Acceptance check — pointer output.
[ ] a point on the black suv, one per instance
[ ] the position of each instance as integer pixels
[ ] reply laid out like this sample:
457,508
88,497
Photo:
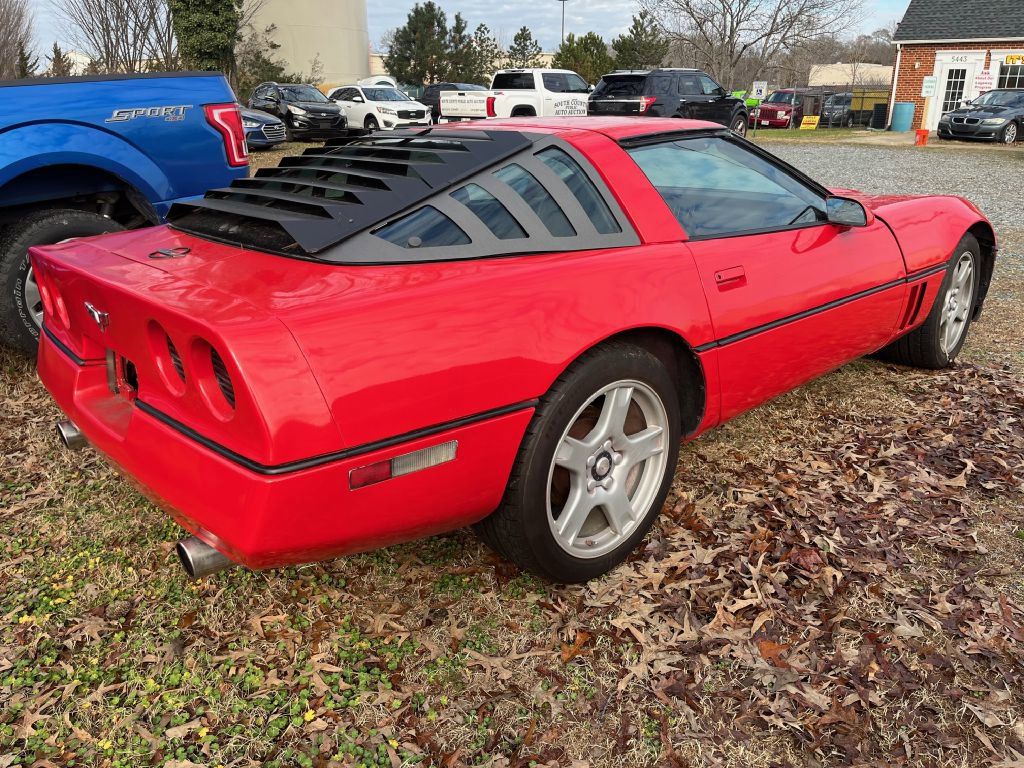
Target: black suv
304,110
668,93
432,95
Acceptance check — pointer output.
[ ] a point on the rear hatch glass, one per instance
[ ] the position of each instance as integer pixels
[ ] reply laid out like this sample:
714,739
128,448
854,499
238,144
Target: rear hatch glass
618,95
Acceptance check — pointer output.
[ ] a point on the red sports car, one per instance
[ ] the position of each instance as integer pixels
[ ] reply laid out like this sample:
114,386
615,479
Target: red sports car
510,324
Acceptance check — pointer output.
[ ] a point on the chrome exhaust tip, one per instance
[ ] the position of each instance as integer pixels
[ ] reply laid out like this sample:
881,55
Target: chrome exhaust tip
199,559
70,436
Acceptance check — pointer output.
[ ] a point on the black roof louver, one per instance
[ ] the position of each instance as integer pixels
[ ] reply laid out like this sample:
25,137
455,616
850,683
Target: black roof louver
324,196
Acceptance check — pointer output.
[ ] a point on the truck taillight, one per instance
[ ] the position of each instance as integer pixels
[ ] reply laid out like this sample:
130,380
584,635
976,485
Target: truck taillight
228,121
645,102
491,112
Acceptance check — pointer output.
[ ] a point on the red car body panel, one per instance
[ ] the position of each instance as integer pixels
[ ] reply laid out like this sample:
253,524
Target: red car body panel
336,367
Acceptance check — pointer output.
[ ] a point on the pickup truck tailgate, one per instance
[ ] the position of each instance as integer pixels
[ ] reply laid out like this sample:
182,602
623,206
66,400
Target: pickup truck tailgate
471,104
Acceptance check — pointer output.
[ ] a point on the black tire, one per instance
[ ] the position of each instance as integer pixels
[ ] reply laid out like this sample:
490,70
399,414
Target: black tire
371,124
519,530
739,125
849,121
17,328
1010,134
922,347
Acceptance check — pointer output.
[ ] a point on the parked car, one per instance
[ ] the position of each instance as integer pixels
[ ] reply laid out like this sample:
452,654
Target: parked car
511,327
997,115
520,93
304,110
85,155
851,108
376,107
786,107
432,95
668,93
262,130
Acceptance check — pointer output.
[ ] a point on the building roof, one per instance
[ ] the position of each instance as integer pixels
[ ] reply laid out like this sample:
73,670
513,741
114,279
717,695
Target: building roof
961,20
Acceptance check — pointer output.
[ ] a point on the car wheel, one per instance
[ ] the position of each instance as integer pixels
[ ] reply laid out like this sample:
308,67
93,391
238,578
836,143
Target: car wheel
849,121
371,123
21,307
739,126
937,342
594,467
1011,133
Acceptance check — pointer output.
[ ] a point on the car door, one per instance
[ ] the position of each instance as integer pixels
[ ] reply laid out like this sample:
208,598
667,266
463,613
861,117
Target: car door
791,295
692,101
719,103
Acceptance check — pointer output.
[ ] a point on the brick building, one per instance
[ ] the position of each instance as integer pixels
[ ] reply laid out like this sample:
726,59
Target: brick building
971,46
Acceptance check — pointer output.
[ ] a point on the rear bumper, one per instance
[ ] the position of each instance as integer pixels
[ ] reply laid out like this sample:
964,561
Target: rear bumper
264,520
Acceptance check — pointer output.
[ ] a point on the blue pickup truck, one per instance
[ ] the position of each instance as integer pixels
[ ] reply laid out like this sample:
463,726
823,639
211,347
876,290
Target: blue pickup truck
86,155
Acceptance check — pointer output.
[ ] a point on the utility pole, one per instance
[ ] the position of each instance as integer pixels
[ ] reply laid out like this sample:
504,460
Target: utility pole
563,2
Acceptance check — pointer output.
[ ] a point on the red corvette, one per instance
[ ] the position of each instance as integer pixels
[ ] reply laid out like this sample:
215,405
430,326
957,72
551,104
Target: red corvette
510,324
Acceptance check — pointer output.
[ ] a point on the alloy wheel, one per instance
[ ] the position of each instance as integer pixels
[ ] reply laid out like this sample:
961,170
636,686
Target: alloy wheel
607,469
33,300
957,304
740,127
1010,134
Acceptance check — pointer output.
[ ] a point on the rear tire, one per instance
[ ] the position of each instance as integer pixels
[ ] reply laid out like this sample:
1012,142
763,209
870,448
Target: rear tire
936,343
523,112
608,484
739,125
20,307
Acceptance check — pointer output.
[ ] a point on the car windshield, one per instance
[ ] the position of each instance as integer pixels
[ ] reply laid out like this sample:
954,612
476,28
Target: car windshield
620,85
837,101
779,97
1000,99
385,94
302,93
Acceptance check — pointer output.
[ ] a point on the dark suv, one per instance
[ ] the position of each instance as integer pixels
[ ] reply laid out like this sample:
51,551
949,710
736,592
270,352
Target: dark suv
668,93
432,95
304,110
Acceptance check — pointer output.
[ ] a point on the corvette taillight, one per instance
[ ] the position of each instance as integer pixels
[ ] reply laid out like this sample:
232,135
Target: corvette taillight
168,360
211,373
645,103
228,121
405,464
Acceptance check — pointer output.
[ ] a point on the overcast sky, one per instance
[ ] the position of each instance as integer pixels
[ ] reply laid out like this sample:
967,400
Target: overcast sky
607,17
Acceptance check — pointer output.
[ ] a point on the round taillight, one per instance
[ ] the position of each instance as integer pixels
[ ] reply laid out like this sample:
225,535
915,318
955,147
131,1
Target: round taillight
61,310
214,379
42,284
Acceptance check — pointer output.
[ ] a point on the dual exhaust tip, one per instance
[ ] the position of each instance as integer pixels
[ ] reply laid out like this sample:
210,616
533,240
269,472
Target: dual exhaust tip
197,557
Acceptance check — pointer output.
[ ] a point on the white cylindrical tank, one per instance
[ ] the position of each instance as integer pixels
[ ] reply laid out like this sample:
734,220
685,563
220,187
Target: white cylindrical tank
333,30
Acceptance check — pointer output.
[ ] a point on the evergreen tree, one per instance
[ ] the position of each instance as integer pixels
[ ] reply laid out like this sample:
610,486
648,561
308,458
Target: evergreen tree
27,63
524,53
60,63
207,32
586,55
643,46
488,55
462,59
418,51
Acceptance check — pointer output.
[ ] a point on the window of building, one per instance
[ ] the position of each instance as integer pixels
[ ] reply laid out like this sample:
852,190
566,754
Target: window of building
716,187
1011,76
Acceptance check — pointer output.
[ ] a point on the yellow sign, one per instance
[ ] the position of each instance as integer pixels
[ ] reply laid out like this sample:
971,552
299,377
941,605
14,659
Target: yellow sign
809,123
1014,58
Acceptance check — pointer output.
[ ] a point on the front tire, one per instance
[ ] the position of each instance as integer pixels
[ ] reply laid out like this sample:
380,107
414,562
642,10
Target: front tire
371,123
936,343
20,304
1011,134
594,468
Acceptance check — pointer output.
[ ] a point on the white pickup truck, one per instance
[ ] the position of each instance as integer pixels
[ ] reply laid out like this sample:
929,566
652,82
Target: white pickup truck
520,93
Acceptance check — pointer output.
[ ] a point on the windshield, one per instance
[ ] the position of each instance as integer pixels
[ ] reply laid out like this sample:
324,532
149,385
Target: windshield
385,94
837,101
780,97
620,85
302,93
1000,99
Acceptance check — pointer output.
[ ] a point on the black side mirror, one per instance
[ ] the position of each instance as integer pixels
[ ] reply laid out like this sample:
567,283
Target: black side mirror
847,213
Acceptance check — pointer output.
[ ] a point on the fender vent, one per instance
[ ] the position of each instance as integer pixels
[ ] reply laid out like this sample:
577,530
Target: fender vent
326,195
914,302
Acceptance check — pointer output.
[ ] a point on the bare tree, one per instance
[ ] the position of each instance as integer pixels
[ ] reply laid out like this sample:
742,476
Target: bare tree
720,34
15,35
121,35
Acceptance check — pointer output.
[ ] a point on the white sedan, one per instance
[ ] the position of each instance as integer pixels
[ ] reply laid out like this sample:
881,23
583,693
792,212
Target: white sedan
376,107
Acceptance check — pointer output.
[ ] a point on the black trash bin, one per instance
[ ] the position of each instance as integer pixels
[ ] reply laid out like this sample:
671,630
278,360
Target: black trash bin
879,113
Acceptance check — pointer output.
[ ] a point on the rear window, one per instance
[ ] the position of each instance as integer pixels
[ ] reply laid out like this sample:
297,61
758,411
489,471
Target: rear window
426,228
490,211
582,188
513,81
539,199
620,85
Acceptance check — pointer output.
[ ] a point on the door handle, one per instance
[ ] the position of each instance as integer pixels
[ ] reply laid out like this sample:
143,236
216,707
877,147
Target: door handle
730,275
